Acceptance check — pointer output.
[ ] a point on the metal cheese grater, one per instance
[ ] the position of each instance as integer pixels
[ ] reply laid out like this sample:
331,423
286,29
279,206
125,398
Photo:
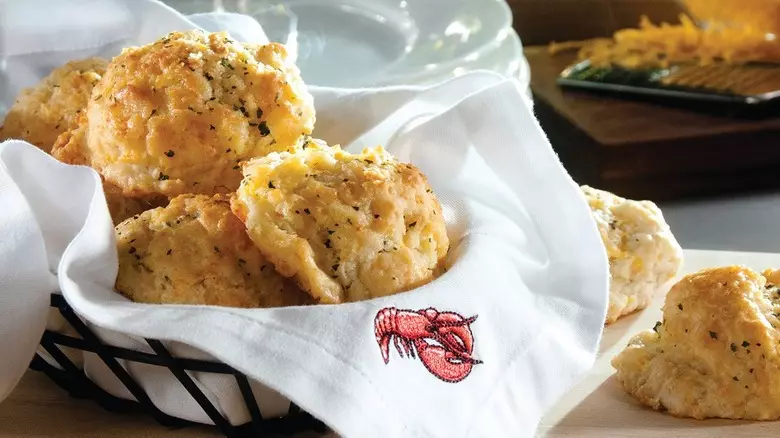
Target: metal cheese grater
738,89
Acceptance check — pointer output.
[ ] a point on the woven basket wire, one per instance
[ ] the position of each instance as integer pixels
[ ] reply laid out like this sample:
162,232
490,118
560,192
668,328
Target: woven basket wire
78,385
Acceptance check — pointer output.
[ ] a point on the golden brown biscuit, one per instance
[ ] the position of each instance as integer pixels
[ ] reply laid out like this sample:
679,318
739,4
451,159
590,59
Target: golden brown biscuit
715,354
195,251
346,227
121,207
643,254
51,107
178,115
68,149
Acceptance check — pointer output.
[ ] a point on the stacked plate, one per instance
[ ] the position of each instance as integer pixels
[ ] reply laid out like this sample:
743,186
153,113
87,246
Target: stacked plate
362,43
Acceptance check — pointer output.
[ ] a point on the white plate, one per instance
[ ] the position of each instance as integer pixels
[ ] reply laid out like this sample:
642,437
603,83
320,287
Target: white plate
358,43
506,59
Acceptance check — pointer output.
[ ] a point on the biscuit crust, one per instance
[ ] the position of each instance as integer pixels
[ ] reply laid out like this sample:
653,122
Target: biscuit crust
715,352
346,227
643,254
69,149
178,115
195,251
53,106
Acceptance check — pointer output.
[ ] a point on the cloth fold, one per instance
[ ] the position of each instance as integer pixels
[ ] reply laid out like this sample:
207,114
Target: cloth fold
526,273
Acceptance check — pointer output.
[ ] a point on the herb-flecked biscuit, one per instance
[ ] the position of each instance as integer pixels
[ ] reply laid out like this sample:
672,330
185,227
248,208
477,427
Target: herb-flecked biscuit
346,227
51,107
643,254
195,251
715,354
178,115
68,149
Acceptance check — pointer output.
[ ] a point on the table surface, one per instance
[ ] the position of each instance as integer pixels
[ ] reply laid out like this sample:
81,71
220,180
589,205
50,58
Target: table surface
596,407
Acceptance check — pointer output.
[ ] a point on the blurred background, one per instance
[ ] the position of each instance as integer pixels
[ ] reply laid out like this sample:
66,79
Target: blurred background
682,113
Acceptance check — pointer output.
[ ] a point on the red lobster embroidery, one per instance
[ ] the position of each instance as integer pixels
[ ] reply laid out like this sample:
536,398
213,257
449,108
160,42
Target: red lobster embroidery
442,340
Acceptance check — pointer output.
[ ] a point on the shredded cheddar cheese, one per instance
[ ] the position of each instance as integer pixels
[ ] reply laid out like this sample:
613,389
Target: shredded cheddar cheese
760,14
652,46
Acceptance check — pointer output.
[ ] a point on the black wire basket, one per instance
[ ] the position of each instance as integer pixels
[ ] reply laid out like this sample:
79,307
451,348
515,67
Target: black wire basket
78,385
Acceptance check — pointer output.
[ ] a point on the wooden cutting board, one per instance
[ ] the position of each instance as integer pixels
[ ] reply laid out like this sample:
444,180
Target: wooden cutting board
650,151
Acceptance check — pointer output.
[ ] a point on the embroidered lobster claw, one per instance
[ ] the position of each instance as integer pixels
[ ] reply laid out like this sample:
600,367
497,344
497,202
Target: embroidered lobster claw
442,340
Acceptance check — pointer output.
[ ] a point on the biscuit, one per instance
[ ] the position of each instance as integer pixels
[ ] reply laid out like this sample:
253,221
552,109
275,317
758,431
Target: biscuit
346,227
68,149
121,207
715,354
195,251
178,115
43,112
643,254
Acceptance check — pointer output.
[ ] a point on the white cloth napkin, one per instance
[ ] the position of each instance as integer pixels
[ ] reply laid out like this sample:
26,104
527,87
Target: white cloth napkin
525,258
